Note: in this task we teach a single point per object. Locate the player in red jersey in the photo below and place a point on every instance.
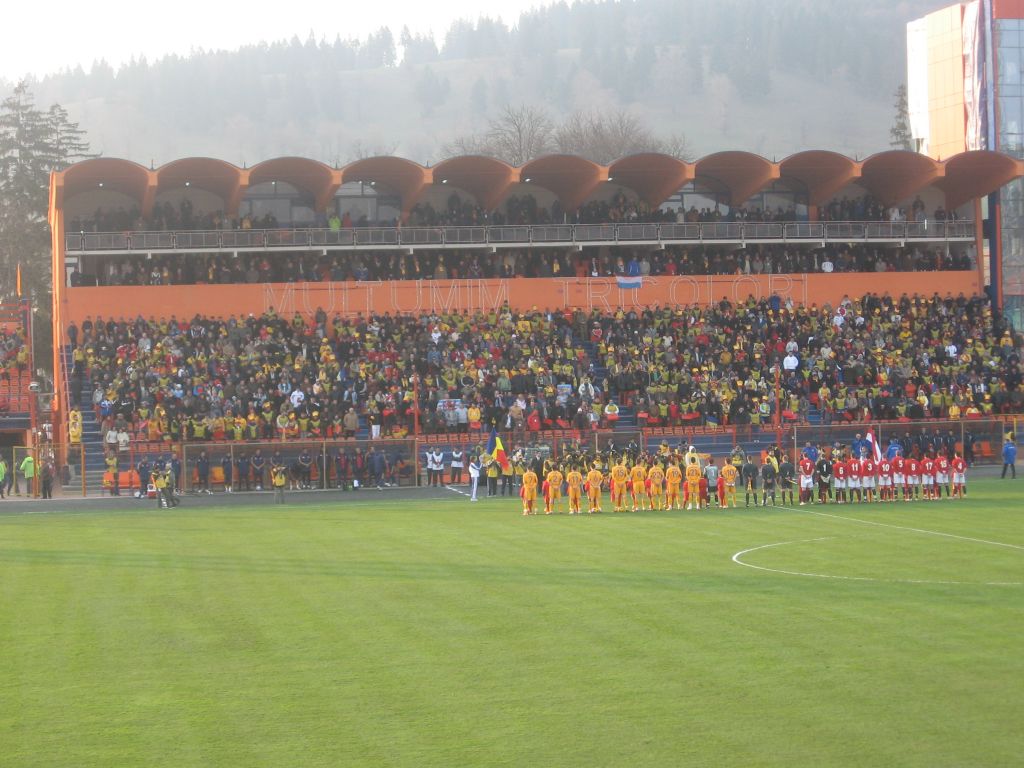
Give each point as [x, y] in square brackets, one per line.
[913, 470]
[868, 475]
[899, 476]
[959, 467]
[841, 472]
[886, 492]
[942, 475]
[806, 480]
[853, 477]
[928, 477]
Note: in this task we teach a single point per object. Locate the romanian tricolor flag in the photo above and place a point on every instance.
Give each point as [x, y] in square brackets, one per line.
[496, 449]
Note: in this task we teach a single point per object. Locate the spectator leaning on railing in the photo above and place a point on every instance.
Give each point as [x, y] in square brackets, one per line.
[225, 269]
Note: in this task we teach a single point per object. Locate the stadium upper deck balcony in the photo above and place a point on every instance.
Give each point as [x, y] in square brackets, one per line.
[390, 188]
[520, 236]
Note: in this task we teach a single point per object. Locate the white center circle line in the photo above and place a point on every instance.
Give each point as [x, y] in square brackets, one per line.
[737, 559]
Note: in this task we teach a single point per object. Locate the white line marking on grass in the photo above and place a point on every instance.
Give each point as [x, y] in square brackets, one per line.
[908, 528]
[26, 512]
[737, 559]
[456, 490]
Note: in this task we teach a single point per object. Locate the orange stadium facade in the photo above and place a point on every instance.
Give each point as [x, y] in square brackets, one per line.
[354, 299]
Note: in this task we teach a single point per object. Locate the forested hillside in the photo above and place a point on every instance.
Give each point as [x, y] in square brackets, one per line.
[771, 77]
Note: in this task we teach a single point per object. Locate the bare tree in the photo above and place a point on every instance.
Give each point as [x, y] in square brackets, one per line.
[575, 134]
[607, 137]
[518, 135]
[623, 134]
[521, 134]
[676, 145]
[467, 145]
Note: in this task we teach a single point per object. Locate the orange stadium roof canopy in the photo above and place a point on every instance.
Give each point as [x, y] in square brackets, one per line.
[891, 176]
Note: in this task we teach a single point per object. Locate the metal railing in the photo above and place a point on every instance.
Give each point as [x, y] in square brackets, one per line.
[525, 235]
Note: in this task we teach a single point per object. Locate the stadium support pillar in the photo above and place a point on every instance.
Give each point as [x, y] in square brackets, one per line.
[996, 252]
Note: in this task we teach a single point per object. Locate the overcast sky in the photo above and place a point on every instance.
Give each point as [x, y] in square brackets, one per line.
[79, 32]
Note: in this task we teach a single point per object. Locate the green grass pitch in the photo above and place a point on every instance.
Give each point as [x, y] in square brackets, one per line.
[378, 632]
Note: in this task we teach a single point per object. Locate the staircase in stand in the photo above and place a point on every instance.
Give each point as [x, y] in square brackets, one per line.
[627, 415]
[92, 437]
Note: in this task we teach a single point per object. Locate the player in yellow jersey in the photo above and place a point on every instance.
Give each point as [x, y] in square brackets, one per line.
[656, 487]
[638, 489]
[574, 479]
[529, 491]
[594, 479]
[619, 481]
[729, 474]
[693, 475]
[553, 483]
[673, 478]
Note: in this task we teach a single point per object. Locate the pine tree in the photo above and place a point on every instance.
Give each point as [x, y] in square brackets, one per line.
[67, 140]
[899, 134]
[32, 144]
[25, 154]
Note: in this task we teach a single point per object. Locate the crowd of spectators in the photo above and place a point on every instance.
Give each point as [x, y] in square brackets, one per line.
[524, 209]
[516, 210]
[877, 357]
[192, 269]
[13, 351]
[165, 217]
[867, 208]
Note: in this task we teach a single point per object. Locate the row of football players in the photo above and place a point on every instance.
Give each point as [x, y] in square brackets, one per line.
[849, 479]
[656, 483]
[659, 484]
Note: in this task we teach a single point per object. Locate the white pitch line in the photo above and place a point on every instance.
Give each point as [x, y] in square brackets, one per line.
[456, 490]
[908, 528]
[736, 559]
